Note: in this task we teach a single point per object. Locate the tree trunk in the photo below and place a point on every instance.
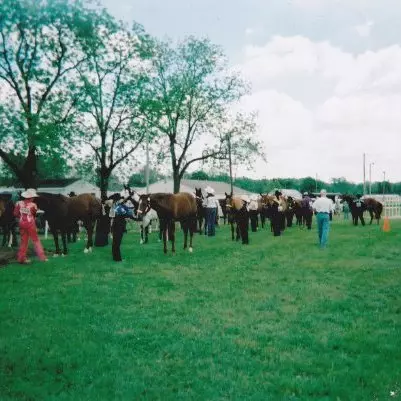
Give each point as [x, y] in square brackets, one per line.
[104, 183]
[103, 223]
[177, 181]
[26, 173]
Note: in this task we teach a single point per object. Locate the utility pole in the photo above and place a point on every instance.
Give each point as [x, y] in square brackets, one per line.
[384, 180]
[364, 174]
[147, 162]
[230, 163]
[370, 177]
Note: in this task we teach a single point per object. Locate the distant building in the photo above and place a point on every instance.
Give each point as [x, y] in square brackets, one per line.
[167, 186]
[61, 186]
[295, 194]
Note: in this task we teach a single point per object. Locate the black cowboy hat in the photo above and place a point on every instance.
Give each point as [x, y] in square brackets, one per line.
[115, 197]
[278, 193]
[72, 193]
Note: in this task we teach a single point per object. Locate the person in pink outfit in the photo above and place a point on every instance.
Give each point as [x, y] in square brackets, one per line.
[25, 211]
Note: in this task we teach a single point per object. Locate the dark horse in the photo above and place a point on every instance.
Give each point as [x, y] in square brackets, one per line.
[238, 215]
[201, 213]
[357, 208]
[375, 209]
[61, 210]
[8, 223]
[223, 205]
[171, 208]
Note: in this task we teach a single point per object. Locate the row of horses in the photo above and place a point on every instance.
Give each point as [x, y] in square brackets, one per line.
[61, 212]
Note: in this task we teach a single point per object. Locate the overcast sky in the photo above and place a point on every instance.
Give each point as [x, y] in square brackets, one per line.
[325, 74]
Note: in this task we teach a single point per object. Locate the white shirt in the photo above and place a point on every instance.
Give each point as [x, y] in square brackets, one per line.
[210, 202]
[253, 205]
[323, 205]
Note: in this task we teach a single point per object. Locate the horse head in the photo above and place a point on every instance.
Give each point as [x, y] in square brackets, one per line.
[143, 205]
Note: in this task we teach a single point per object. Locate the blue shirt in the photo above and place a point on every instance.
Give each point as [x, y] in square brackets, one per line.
[122, 210]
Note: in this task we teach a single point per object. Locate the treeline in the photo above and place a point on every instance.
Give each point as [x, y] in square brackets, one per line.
[307, 184]
[82, 94]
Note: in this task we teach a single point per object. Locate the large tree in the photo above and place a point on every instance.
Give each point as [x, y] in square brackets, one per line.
[190, 92]
[40, 49]
[112, 77]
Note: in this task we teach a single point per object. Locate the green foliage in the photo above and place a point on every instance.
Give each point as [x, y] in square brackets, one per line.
[112, 78]
[199, 175]
[41, 45]
[188, 97]
[276, 320]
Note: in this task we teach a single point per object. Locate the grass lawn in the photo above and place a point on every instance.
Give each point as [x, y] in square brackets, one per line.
[276, 320]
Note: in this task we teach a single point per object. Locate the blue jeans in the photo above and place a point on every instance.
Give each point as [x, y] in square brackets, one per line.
[211, 221]
[323, 224]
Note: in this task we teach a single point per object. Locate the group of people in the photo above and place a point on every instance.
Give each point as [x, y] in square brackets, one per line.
[323, 207]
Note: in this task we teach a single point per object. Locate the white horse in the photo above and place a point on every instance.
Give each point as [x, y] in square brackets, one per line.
[146, 225]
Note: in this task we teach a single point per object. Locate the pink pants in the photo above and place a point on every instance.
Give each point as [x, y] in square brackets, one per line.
[29, 232]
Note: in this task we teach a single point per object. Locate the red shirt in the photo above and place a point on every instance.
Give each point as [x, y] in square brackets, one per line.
[26, 210]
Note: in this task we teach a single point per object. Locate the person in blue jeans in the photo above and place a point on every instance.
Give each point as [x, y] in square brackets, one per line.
[211, 206]
[323, 207]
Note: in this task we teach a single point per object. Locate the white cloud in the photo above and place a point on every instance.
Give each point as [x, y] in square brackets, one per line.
[364, 29]
[249, 31]
[359, 112]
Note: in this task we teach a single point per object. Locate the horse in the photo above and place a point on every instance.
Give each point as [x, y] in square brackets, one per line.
[171, 208]
[61, 210]
[146, 219]
[375, 209]
[356, 212]
[201, 212]
[238, 215]
[8, 223]
[290, 212]
[222, 203]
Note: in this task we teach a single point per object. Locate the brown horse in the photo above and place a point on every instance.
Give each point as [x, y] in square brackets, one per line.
[375, 209]
[238, 215]
[171, 208]
[62, 211]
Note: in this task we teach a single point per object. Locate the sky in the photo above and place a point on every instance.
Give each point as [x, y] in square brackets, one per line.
[325, 76]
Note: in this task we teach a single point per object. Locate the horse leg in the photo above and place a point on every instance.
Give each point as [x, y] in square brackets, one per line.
[146, 234]
[172, 231]
[371, 217]
[88, 224]
[192, 229]
[55, 237]
[141, 241]
[64, 240]
[163, 230]
[185, 229]
[232, 230]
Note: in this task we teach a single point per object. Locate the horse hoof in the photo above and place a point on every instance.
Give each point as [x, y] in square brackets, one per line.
[86, 250]
[190, 250]
[141, 242]
[90, 249]
[62, 255]
[55, 255]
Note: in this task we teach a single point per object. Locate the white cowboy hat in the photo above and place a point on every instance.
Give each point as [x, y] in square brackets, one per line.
[209, 190]
[254, 197]
[29, 193]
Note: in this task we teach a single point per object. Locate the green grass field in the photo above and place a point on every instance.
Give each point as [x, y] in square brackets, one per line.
[279, 319]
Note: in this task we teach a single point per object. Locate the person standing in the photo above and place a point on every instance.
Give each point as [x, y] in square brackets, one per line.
[323, 207]
[210, 204]
[74, 227]
[307, 211]
[25, 211]
[359, 207]
[346, 210]
[243, 220]
[121, 213]
[276, 213]
[253, 212]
